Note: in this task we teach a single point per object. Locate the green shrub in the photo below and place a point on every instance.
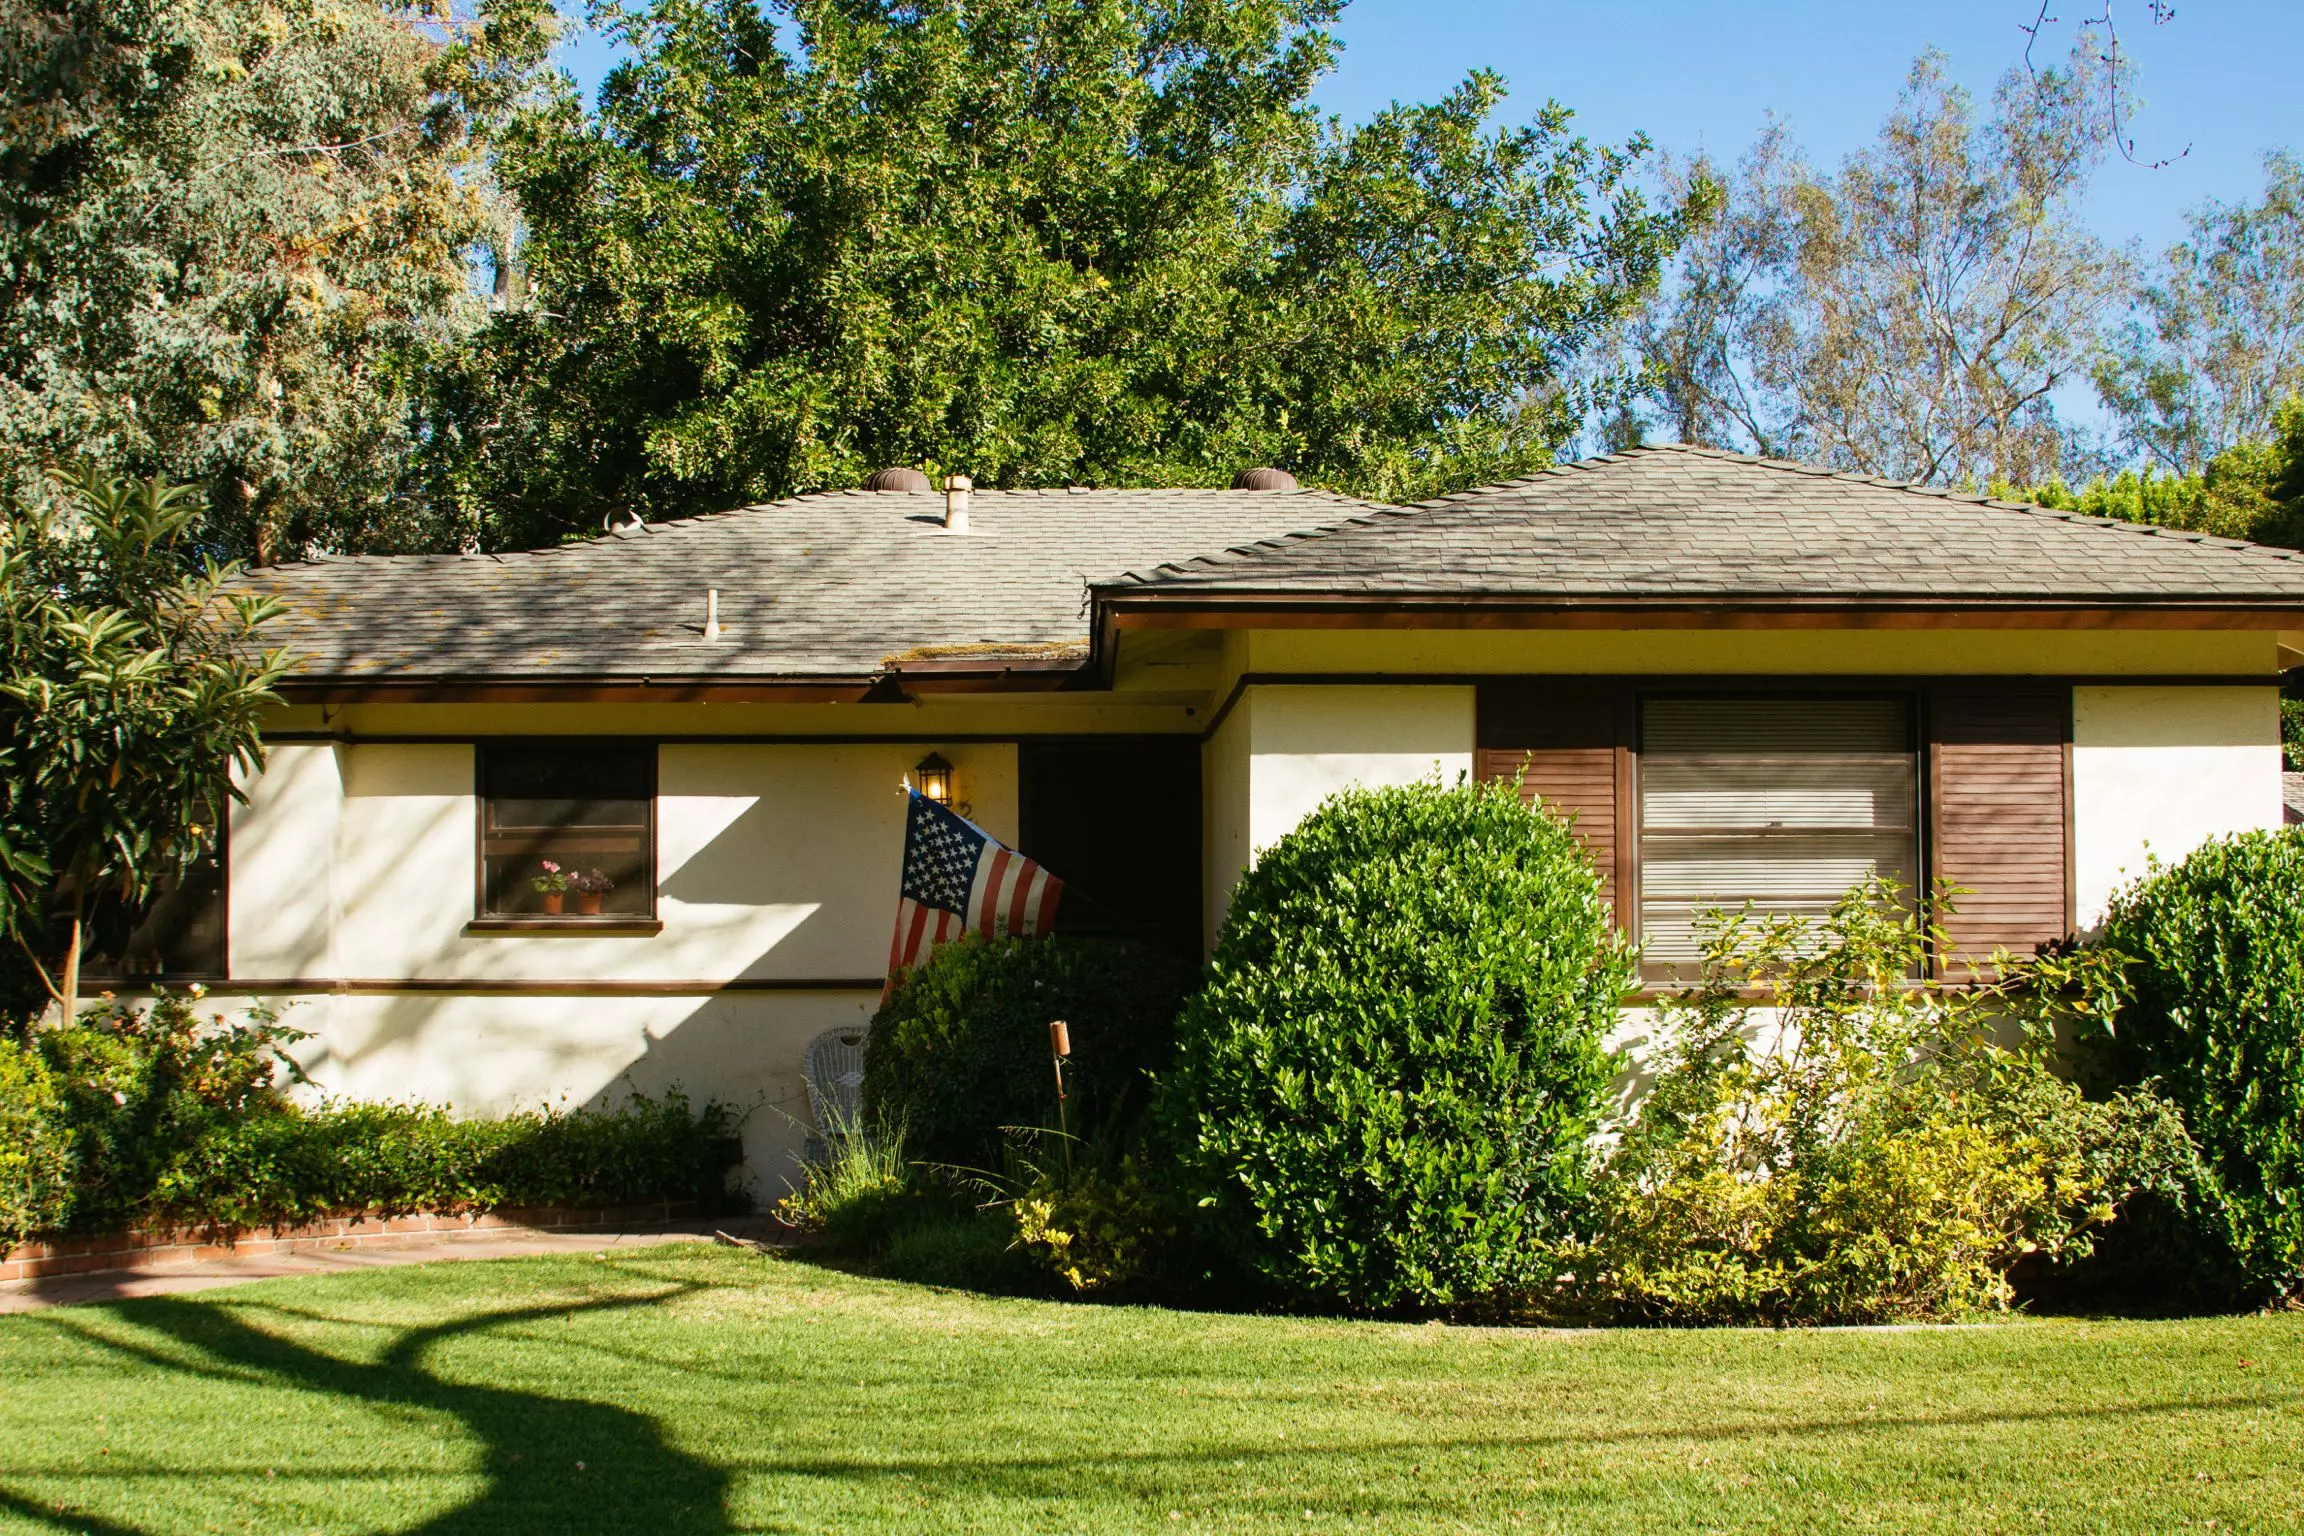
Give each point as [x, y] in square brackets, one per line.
[289, 1164]
[1887, 1156]
[169, 1116]
[2215, 1016]
[142, 1084]
[970, 1250]
[961, 1050]
[1104, 1231]
[1383, 1092]
[36, 1159]
[864, 1188]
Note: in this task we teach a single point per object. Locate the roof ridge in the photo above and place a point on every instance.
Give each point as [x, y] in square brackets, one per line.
[689, 522]
[1470, 500]
[1372, 511]
[1970, 498]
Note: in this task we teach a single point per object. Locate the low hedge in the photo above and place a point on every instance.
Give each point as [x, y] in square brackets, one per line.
[300, 1165]
[36, 1159]
[148, 1114]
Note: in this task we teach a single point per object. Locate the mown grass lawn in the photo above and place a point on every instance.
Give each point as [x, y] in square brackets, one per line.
[684, 1390]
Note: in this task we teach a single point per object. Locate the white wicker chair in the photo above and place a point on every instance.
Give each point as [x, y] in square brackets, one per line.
[832, 1067]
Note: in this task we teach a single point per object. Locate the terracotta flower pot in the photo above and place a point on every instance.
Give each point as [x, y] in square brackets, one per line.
[552, 902]
[588, 902]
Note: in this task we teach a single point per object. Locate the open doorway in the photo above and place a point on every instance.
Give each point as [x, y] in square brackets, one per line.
[1118, 821]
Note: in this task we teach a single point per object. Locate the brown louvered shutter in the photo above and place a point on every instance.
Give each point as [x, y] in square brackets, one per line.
[1568, 742]
[1998, 783]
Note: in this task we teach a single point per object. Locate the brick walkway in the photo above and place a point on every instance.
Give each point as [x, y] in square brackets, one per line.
[240, 1268]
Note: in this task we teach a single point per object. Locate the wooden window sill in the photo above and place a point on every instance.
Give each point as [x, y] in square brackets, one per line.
[607, 925]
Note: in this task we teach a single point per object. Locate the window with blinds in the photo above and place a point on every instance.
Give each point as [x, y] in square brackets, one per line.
[1782, 803]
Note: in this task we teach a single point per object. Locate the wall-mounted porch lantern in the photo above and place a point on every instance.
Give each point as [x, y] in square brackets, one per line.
[935, 776]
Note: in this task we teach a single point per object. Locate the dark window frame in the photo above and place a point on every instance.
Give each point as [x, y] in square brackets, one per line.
[648, 752]
[96, 979]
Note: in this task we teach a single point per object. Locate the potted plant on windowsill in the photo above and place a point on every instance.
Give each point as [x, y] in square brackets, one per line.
[590, 885]
[551, 883]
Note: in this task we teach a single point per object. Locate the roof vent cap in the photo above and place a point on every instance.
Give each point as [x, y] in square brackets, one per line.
[898, 480]
[1264, 479]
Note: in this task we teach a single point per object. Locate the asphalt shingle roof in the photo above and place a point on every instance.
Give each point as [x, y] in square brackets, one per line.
[834, 585]
[1691, 523]
[827, 585]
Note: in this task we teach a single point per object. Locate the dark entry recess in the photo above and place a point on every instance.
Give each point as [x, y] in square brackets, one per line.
[1119, 823]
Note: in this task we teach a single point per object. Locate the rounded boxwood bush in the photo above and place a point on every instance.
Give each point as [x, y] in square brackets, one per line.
[2217, 1016]
[960, 1049]
[1384, 1091]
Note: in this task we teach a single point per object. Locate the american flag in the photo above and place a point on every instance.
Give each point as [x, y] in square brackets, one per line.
[958, 879]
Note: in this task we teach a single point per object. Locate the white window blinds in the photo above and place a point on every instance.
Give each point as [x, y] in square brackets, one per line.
[1783, 803]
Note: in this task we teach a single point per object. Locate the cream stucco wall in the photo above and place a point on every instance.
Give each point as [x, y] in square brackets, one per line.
[281, 916]
[1226, 847]
[1306, 743]
[778, 860]
[1286, 748]
[2158, 771]
[354, 864]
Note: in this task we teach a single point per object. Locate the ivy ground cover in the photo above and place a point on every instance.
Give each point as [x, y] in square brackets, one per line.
[686, 1391]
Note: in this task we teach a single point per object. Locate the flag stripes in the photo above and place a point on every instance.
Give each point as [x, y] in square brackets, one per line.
[958, 879]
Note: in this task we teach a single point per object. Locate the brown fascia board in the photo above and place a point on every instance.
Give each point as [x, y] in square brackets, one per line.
[1122, 608]
[1028, 677]
[1458, 611]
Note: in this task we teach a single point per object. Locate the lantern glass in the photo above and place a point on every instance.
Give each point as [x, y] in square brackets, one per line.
[935, 777]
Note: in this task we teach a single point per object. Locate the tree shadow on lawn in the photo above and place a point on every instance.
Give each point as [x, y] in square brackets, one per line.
[531, 1443]
[634, 1481]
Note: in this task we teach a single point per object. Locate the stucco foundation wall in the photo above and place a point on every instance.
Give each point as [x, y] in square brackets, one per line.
[488, 1055]
[355, 864]
[2159, 771]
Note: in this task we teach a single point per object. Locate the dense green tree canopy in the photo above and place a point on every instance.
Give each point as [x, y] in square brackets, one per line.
[130, 693]
[1038, 241]
[228, 231]
[2253, 490]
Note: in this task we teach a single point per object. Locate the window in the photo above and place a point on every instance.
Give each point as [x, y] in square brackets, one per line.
[176, 936]
[587, 807]
[1781, 802]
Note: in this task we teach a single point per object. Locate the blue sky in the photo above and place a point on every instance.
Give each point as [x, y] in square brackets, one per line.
[2219, 77]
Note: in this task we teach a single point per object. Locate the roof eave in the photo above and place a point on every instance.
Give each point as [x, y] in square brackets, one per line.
[890, 685]
[1121, 607]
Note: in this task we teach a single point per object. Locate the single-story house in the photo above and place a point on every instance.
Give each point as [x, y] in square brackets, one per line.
[1746, 679]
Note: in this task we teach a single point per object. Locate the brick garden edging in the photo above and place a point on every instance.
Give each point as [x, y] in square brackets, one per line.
[161, 1248]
